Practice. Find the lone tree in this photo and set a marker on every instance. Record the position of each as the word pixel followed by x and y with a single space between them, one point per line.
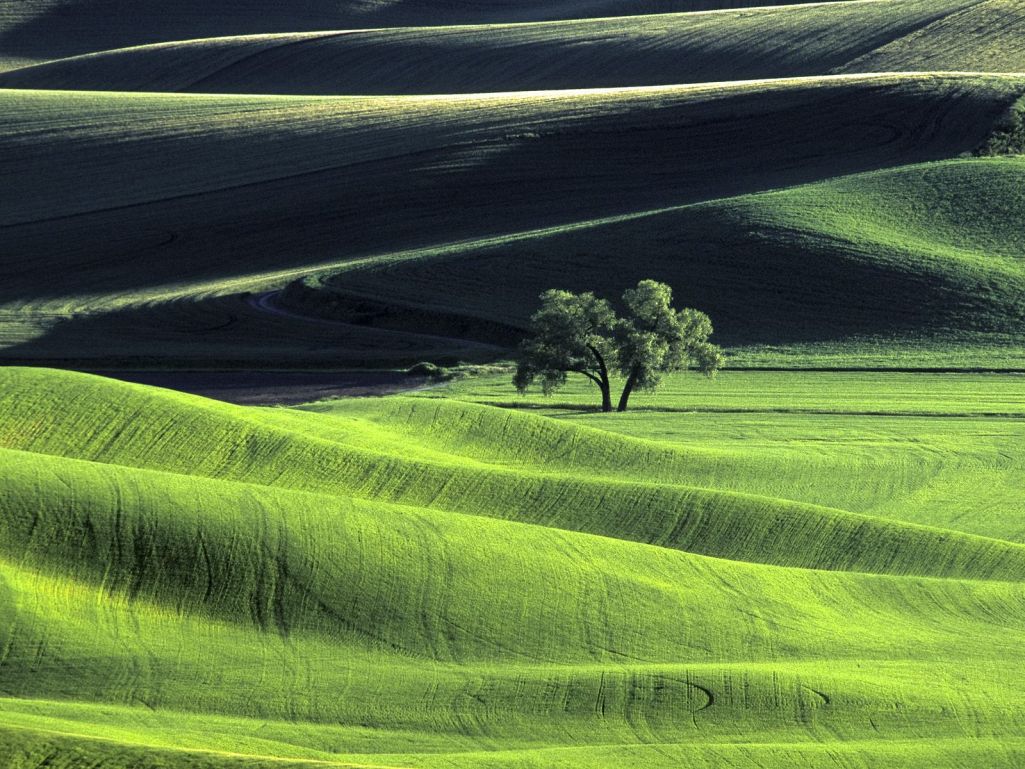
pixel 655 339
pixel 571 333
pixel 579 333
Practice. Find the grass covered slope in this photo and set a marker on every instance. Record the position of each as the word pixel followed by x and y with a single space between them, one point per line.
pixel 937 449
pixel 654 49
pixel 983 36
pixel 658 496
pixel 47 29
pixel 651 49
pixel 204 611
pixel 147 228
pixel 772 569
pixel 924 252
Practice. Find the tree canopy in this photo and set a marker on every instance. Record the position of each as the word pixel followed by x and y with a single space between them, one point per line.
pixel 570 333
pixel 581 333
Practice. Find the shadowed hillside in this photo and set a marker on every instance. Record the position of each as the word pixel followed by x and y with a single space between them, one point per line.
pixel 920 250
pixel 985 36
pixel 46 29
pixel 658 49
pixel 143 226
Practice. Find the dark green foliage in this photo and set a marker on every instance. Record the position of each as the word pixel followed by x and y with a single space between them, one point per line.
pixel 429 370
pixel 656 339
pixel 571 333
pixel 579 333
pixel 1008 136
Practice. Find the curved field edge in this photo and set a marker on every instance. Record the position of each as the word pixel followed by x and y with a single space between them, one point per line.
pixel 938 243
pixel 923 253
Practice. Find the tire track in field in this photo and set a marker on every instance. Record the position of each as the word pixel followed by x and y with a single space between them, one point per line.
pixel 267 303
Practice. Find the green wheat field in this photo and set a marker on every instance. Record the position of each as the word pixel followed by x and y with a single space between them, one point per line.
pixel 814 560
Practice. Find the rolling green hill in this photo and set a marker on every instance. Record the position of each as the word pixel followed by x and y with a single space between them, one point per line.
pixel 814 560
pixel 654 49
pixel 47 29
pixel 983 36
pixel 938 449
pixel 920 251
pixel 148 227
pixel 185 583
pixel 664 498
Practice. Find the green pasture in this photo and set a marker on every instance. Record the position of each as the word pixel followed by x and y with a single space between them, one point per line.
pixel 435 581
pixel 929 255
pixel 814 560
pixel 937 449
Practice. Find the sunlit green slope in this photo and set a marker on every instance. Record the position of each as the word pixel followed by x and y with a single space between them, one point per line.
pixel 653 49
pixel 184 583
pixel 939 449
pixel 659 495
pixel 46 29
pixel 985 36
pixel 925 252
pixel 134 236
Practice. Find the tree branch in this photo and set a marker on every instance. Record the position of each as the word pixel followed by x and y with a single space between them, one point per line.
pixel 587 374
pixel 601 362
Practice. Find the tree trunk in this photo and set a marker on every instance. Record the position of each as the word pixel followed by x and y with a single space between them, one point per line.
pixel 628 388
pixel 603 381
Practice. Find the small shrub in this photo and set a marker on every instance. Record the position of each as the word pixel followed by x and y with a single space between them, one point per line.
pixel 428 370
pixel 1008 137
